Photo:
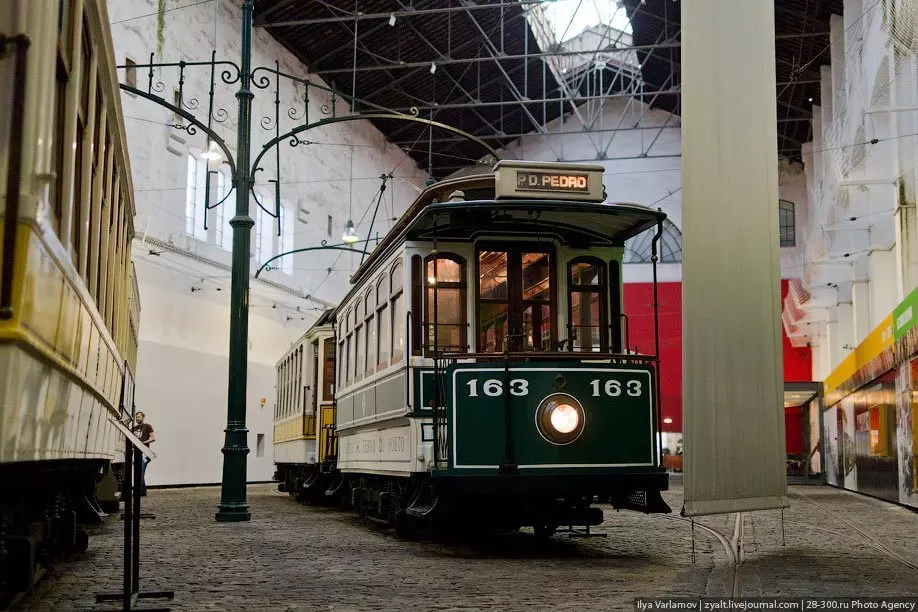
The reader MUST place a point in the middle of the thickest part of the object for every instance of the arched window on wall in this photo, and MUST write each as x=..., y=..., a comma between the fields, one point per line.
x=194, y=196
x=196, y=202
x=267, y=243
x=787, y=223
x=288, y=224
x=640, y=248
x=225, y=211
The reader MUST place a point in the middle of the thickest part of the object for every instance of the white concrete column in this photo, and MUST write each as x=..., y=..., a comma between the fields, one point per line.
x=833, y=340
x=730, y=173
x=816, y=357
x=906, y=250
x=820, y=348
x=828, y=97
x=817, y=171
x=845, y=315
x=884, y=295
x=837, y=53
x=861, y=309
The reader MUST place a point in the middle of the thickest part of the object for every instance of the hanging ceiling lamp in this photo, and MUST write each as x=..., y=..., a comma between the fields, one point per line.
x=213, y=152
x=350, y=235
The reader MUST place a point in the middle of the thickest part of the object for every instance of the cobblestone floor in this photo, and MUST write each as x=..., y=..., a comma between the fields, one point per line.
x=293, y=557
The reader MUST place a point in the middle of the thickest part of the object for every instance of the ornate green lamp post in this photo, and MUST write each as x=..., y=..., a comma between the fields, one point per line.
x=233, y=506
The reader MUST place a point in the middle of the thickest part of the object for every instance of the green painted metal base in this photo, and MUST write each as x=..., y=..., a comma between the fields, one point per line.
x=233, y=514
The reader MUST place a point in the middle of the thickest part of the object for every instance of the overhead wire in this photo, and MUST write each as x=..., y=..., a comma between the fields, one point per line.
x=175, y=8
x=193, y=274
x=804, y=67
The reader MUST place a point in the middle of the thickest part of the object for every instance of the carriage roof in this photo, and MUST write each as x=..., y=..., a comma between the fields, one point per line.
x=325, y=319
x=440, y=213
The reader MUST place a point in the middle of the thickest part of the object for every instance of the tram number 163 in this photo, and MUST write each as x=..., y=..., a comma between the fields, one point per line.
x=520, y=387
x=495, y=388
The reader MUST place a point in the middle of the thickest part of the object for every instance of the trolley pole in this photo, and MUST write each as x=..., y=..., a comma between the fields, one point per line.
x=233, y=506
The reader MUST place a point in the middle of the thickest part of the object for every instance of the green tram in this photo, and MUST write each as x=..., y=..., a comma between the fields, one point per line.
x=482, y=370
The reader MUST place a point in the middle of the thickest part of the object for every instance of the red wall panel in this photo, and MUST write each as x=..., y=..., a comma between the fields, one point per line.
x=793, y=427
x=638, y=303
x=798, y=365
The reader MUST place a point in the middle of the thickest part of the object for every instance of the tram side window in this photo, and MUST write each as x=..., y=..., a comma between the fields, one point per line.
x=350, y=347
x=359, y=342
x=277, y=388
x=446, y=284
x=382, y=324
x=588, y=295
x=58, y=150
x=340, y=360
x=281, y=387
x=369, y=330
x=397, y=306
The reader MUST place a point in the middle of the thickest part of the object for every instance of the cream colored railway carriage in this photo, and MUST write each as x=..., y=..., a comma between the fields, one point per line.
x=69, y=308
x=304, y=418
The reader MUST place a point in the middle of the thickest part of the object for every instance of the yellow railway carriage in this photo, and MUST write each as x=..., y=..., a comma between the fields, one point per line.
x=69, y=306
x=304, y=415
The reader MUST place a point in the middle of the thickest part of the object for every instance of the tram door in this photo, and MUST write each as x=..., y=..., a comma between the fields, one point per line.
x=516, y=299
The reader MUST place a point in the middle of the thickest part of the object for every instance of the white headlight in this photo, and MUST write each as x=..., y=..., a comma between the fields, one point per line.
x=560, y=418
x=564, y=418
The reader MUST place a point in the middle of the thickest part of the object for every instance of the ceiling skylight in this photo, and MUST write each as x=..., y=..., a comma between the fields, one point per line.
x=569, y=18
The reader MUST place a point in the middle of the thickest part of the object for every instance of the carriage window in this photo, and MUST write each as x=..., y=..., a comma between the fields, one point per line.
x=382, y=324
x=587, y=305
x=537, y=302
x=328, y=391
x=350, y=359
x=493, y=302
x=515, y=300
x=359, y=343
x=340, y=361
x=397, y=307
x=445, y=281
x=369, y=330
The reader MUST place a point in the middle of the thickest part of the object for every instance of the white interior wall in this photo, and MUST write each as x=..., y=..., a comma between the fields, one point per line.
x=861, y=196
x=642, y=161
x=184, y=333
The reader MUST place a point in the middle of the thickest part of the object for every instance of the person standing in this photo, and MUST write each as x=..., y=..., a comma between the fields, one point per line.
x=144, y=431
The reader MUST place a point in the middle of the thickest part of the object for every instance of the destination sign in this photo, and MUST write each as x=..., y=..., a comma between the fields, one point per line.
x=517, y=179
x=567, y=182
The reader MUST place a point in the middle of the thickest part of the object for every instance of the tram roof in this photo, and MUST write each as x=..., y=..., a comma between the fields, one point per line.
x=585, y=224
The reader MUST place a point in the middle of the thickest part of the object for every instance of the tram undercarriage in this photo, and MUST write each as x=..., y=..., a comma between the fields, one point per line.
x=421, y=505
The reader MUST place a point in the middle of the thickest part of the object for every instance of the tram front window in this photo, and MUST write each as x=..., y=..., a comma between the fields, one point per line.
x=515, y=300
x=587, y=288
